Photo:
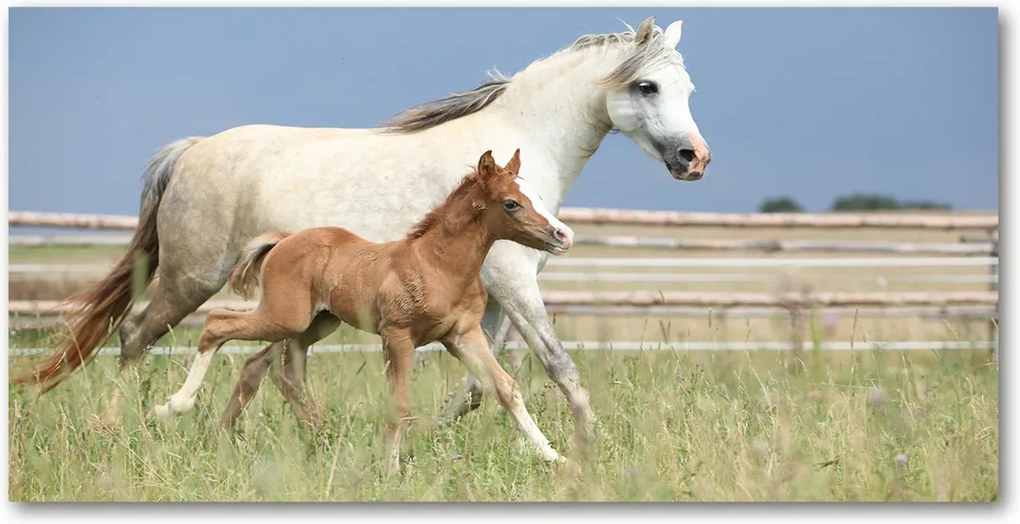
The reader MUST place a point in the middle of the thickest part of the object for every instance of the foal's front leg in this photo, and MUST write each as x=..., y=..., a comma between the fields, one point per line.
x=518, y=293
x=399, y=353
x=510, y=274
x=495, y=324
x=472, y=349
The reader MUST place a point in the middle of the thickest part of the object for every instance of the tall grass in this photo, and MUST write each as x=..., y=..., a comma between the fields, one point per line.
x=724, y=426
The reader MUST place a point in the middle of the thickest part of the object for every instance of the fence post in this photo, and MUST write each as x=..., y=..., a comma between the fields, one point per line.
x=993, y=285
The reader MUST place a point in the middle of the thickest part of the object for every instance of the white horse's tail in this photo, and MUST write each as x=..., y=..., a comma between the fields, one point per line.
x=244, y=277
x=103, y=307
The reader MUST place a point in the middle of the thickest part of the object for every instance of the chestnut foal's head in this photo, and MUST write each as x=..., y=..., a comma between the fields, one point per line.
x=514, y=210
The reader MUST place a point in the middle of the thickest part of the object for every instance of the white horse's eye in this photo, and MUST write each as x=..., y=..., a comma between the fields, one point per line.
x=648, y=88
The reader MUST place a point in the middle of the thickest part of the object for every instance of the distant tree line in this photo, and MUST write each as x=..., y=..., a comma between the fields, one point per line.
x=854, y=202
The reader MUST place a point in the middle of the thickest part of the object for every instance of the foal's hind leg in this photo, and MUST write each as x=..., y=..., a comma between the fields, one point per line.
x=254, y=370
x=292, y=378
x=221, y=326
x=291, y=383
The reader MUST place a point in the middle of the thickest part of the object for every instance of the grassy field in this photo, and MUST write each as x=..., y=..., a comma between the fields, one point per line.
x=672, y=426
x=733, y=426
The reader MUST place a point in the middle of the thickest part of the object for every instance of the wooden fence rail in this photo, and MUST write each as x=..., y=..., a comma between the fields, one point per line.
x=71, y=220
x=815, y=220
x=775, y=245
x=677, y=244
x=112, y=240
x=856, y=262
x=931, y=313
x=88, y=272
x=657, y=298
x=573, y=215
x=579, y=345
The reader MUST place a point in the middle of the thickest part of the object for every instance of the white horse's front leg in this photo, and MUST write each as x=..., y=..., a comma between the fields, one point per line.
x=511, y=277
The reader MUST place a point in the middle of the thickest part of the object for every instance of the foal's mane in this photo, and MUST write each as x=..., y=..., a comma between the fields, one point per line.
x=436, y=112
x=470, y=183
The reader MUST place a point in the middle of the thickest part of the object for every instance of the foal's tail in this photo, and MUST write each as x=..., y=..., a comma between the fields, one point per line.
x=102, y=308
x=244, y=277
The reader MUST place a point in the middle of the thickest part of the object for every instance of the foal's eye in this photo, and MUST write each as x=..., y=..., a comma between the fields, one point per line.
x=648, y=88
x=510, y=205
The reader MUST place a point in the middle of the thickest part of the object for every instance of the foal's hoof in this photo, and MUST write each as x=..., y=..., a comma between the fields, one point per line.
x=173, y=407
x=314, y=421
x=162, y=412
x=560, y=461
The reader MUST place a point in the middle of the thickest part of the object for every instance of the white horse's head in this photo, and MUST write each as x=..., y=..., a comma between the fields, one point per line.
x=647, y=98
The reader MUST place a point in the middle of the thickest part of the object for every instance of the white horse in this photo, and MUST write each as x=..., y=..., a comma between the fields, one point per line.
x=205, y=198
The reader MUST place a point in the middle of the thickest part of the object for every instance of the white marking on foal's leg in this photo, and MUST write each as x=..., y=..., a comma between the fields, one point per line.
x=473, y=351
x=393, y=453
x=184, y=399
x=531, y=430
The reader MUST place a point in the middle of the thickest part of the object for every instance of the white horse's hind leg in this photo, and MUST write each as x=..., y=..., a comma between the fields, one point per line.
x=173, y=299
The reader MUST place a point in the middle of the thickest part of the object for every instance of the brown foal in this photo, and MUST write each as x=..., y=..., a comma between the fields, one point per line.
x=423, y=288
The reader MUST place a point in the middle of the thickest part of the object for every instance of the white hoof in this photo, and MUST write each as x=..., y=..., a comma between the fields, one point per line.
x=182, y=406
x=162, y=411
x=556, y=458
x=173, y=407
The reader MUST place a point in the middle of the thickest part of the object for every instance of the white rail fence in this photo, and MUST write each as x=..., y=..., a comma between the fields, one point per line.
x=578, y=345
x=968, y=245
x=57, y=270
x=972, y=251
x=648, y=299
x=622, y=217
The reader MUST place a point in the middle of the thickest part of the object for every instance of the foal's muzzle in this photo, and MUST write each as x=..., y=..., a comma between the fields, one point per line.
x=562, y=239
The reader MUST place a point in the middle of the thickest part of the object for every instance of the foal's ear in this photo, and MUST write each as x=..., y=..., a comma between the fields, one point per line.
x=644, y=31
x=514, y=165
x=487, y=165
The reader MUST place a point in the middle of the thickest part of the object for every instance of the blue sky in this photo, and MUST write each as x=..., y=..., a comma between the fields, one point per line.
x=811, y=103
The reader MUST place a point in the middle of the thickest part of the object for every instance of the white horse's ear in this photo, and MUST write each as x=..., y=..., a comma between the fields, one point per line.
x=644, y=31
x=672, y=34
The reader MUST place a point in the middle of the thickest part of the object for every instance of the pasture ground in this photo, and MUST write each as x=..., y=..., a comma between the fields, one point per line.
x=723, y=426
x=672, y=426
